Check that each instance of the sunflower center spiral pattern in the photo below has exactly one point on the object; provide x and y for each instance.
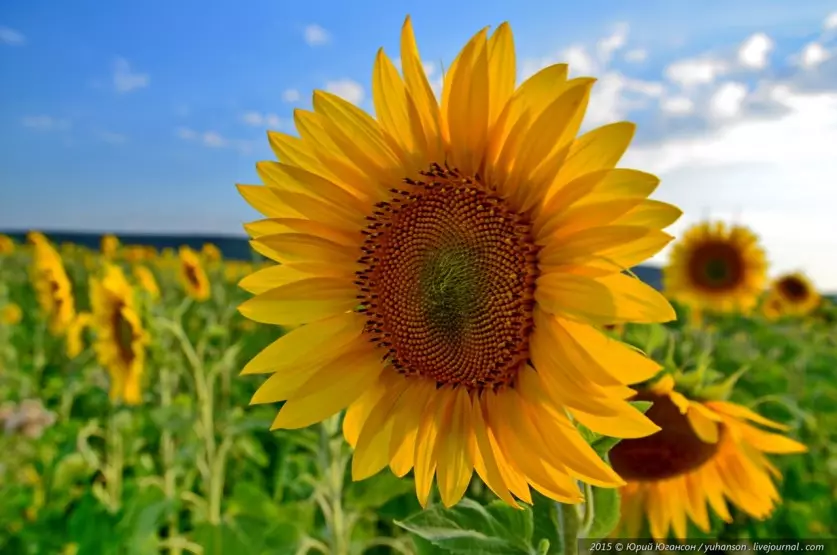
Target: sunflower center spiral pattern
(673, 451)
(448, 281)
(716, 266)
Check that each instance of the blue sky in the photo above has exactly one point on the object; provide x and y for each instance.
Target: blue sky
(141, 116)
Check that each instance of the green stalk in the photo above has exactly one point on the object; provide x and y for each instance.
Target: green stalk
(167, 453)
(570, 527)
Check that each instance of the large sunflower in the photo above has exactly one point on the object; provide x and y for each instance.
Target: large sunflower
(52, 286)
(796, 294)
(453, 265)
(716, 267)
(192, 275)
(707, 453)
(120, 337)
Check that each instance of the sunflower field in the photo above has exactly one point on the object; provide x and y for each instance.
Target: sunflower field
(176, 461)
(441, 344)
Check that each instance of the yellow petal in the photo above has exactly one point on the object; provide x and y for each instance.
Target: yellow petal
(607, 300)
(302, 301)
(372, 449)
(704, 428)
(299, 247)
(358, 412)
(454, 465)
(406, 419)
(394, 106)
(502, 72)
(318, 340)
(743, 413)
(262, 199)
(419, 89)
(484, 461)
(339, 384)
(286, 177)
(589, 243)
(651, 213)
(433, 419)
(295, 151)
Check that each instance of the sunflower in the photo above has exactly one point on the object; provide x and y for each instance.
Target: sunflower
(11, 314)
(211, 253)
(716, 267)
(147, 282)
(796, 293)
(772, 307)
(192, 275)
(52, 286)
(707, 452)
(120, 338)
(453, 266)
(7, 245)
(109, 245)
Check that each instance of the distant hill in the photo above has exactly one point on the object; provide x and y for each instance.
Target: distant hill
(234, 248)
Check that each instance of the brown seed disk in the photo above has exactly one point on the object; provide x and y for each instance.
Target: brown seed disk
(673, 451)
(716, 266)
(793, 288)
(448, 281)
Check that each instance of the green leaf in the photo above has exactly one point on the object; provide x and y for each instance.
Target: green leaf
(376, 491)
(607, 512)
(471, 528)
(545, 517)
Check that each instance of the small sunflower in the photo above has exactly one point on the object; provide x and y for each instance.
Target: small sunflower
(707, 452)
(52, 286)
(211, 253)
(7, 245)
(109, 245)
(120, 337)
(147, 282)
(796, 293)
(11, 314)
(716, 267)
(192, 275)
(772, 307)
(453, 266)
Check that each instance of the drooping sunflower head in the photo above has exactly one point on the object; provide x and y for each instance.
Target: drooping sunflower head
(707, 455)
(121, 339)
(147, 282)
(109, 245)
(796, 293)
(453, 266)
(52, 286)
(7, 245)
(716, 267)
(192, 275)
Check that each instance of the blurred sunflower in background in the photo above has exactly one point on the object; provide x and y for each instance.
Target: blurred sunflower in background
(11, 314)
(192, 275)
(211, 253)
(75, 334)
(453, 266)
(147, 282)
(109, 245)
(717, 268)
(52, 286)
(796, 294)
(7, 245)
(707, 453)
(771, 306)
(120, 337)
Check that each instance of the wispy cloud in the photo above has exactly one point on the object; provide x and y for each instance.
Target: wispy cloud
(755, 51)
(11, 36)
(348, 89)
(291, 95)
(258, 119)
(316, 35)
(696, 71)
(213, 139)
(636, 55)
(43, 122)
(126, 79)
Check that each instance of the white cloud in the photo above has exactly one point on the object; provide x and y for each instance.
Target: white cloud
(813, 55)
(608, 45)
(347, 89)
(12, 37)
(727, 101)
(112, 138)
(636, 55)
(257, 119)
(697, 71)
(316, 35)
(213, 139)
(830, 21)
(782, 188)
(45, 123)
(754, 51)
(677, 105)
(291, 95)
(125, 79)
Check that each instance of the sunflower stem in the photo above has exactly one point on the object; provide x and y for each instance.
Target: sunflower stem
(167, 453)
(570, 521)
(589, 512)
(114, 462)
